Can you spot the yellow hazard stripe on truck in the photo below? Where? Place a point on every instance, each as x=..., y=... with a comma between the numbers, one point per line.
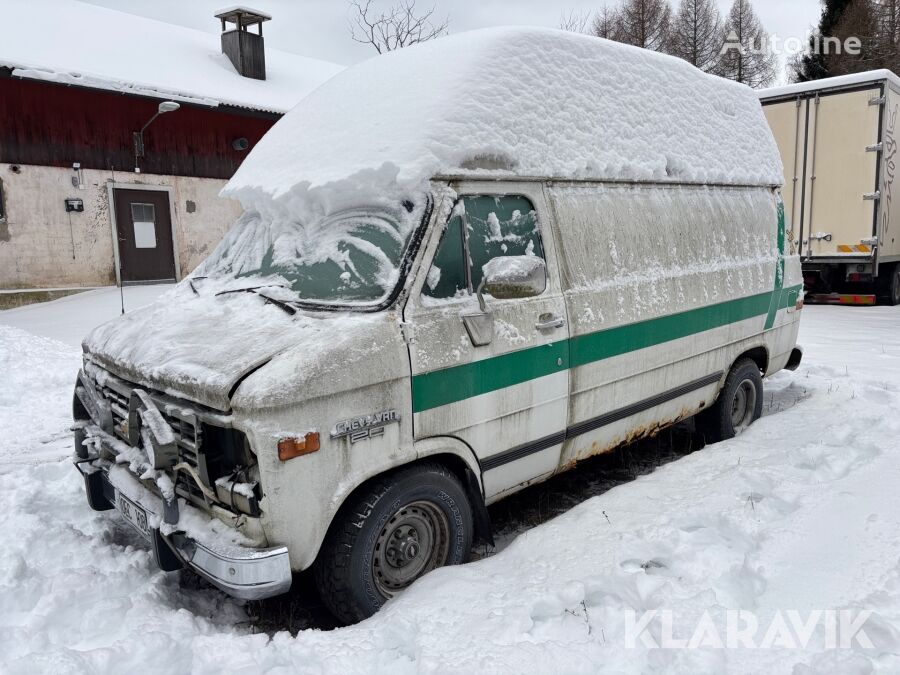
x=840, y=299
x=856, y=248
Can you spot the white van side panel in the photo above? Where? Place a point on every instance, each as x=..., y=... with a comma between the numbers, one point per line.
x=665, y=286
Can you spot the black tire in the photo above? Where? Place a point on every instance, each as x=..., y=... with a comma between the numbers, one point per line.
x=739, y=403
x=892, y=295
x=381, y=537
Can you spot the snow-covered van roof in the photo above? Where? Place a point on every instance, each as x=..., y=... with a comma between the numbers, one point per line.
x=839, y=82
x=82, y=44
x=513, y=101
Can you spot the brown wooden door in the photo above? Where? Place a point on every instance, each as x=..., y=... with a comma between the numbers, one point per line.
x=144, y=225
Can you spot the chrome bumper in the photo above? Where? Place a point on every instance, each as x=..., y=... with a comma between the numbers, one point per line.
x=245, y=573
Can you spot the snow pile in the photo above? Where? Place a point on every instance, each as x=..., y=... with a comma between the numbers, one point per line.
x=511, y=102
x=37, y=378
x=81, y=44
x=799, y=513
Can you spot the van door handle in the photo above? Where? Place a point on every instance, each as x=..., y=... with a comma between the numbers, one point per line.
x=548, y=321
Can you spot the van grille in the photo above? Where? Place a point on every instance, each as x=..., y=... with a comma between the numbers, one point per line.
x=188, y=434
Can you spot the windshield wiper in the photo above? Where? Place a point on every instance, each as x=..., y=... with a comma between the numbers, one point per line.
x=248, y=289
x=287, y=307
x=191, y=284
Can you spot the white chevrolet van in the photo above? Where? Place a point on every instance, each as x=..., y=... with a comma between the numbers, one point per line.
x=449, y=283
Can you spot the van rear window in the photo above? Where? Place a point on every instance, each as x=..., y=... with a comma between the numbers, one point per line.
x=481, y=228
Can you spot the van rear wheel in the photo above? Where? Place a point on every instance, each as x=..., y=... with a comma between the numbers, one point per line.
x=390, y=534
x=739, y=404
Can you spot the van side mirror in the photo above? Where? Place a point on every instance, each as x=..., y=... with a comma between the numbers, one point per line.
x=506, y=277
x=513, y=276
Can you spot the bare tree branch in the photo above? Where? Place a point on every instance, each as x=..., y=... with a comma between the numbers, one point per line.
x=696, y=34
x=574, y=21
x=400, y=26
x=746, y=56
x=606, y=24
x=644, y=23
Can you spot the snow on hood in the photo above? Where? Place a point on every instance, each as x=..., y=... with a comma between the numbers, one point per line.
x=199, y=346
x=515, y=102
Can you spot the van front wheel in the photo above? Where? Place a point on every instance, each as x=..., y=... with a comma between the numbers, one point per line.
x=739, y=404
x=390, y=534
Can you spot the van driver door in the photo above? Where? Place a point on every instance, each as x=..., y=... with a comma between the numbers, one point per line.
x=497, y=379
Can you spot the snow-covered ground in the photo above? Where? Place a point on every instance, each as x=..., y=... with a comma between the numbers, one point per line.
x=800, y=513
x=69, y=319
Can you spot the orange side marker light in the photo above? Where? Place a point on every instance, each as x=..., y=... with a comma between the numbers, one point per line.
x=288, y=448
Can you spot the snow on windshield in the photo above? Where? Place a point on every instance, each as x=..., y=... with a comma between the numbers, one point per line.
x=350, y=257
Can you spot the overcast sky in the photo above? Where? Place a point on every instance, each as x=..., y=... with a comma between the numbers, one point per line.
x=318, y=28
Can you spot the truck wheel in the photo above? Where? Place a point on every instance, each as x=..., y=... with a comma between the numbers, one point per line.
x=739, y=404
x=398, y=529
x=894, y=287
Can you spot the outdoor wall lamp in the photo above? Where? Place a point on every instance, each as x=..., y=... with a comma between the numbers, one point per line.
x=164, y=107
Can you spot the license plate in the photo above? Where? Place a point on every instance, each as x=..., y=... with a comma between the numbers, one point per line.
x=134, y=514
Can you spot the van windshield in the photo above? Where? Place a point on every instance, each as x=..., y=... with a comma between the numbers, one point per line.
x=349, y=258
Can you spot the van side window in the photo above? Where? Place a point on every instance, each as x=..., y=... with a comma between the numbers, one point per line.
x=447, y=276
x=500, y=226
x=488, y=227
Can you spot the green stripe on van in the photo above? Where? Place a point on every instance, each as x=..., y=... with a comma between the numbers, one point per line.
x=778, y=296
x=615, y=341
x=457, y=383
x=440, y=387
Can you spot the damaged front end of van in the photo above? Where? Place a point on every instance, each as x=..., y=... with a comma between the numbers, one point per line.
x=188, y=411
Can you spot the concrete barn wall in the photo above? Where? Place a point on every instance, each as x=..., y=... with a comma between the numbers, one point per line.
x=36, y=239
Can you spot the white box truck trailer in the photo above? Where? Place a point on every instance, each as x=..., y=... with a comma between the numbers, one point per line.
x=838, y=143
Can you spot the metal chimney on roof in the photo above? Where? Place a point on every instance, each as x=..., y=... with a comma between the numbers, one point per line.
x=245, y=49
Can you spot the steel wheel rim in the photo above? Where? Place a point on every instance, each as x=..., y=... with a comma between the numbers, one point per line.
x=413, y=541
x=743, y=406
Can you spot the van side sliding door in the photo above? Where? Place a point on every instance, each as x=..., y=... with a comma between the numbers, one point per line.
x=497, y=380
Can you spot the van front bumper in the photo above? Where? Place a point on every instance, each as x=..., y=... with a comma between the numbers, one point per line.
x=245, y=573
